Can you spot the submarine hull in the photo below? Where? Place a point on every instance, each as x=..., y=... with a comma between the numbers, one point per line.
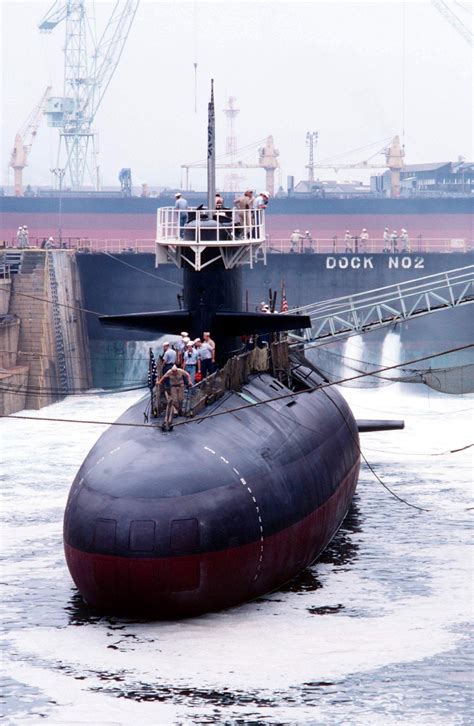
x=217, y=512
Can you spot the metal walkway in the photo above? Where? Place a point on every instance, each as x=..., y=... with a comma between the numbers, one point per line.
x=352, y=314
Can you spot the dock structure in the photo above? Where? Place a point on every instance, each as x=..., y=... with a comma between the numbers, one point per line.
x=44, y=351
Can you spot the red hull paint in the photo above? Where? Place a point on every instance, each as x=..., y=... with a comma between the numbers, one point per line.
x=178, y=586
x=279, y=226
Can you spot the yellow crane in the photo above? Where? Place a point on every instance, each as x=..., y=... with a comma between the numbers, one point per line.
x=394, y=154
x=24, y=141
x=267, y=160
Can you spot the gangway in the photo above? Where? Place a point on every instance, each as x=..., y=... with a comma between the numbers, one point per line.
x=352, y=314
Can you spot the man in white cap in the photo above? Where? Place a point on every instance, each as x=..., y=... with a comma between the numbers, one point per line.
x=168, y=357
x=386, y=240
x=364, y=239
x=394, y=241
x=181, y=204
x=191, y=361
x=207, y=351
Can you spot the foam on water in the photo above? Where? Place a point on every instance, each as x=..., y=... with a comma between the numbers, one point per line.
x=375, y=632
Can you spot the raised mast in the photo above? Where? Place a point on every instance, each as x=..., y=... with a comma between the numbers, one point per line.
x=211, y=151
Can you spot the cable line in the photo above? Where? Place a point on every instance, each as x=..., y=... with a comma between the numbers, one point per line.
x=214, y=414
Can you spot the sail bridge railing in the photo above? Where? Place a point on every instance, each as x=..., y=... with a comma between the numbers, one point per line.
x=199, y=237
x=384, y=306
x=229, y=225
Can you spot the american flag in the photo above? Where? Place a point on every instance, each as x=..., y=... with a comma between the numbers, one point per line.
x=284, y=303
x=152, y=371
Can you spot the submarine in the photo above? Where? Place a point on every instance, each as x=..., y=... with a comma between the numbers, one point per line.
x=181, y=516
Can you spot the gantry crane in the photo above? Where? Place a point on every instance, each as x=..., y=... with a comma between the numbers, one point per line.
x=24, y=141
x=87, y=74
x=267, y=159
x=394, y=155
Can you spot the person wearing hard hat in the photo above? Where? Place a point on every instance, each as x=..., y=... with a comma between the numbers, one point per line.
x=295, y=240
x=364, y=239
x=386, y=240
x=348, y=241
x=181, y=205
x=405, y=240
x=49, y=244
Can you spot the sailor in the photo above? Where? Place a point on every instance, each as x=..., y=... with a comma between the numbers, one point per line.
x=26, y=236
x=181, y=204
x=174, y=380
x=206, y=351
x=405, y=240
x=348, y=241
x=364, y=238
x=261, y=201
x=207, y=340
x=49, y=244
x=191, y=361
x=169, y=357
x=386, y=240
x=181, y=345
x=245, y=204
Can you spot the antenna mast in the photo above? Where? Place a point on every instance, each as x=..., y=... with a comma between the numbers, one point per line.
x=211, y=151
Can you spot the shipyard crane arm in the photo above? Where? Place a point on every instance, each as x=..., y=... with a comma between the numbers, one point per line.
x=24, y=141
x=353, y=314
x=109, y=50
x=454, y=20
x=56, y=13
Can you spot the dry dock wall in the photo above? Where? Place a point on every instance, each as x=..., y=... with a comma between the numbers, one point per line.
x=43, y=333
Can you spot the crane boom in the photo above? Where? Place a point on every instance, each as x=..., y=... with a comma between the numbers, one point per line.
x=454, y=20
x=88, y=70
x=24, y=141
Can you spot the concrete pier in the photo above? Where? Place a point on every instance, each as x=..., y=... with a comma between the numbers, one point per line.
x=42, y=331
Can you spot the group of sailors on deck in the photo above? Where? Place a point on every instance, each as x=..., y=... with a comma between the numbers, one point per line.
x=185, y=364
x=245, y=205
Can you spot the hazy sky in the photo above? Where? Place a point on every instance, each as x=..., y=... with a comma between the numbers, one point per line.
x=339, y=68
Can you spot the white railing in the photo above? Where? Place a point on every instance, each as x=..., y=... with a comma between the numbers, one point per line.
x=337, y=245
x=368, y=310
x=192, y=226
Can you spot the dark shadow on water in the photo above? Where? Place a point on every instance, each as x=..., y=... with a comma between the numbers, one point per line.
x=342, y=551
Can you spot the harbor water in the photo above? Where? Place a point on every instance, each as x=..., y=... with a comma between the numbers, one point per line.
x=376, y=632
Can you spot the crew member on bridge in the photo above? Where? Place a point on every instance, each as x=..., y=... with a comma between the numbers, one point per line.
x=181, y=204
x=244, y=204
x=386, y=240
